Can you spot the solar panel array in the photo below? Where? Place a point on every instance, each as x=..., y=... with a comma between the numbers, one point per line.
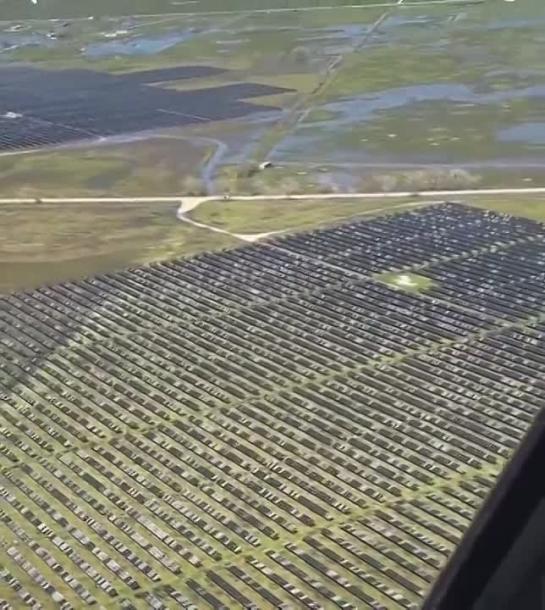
x=271, y=426
x=47, y=107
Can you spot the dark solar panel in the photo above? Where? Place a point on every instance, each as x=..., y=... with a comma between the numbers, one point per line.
x=40, y=107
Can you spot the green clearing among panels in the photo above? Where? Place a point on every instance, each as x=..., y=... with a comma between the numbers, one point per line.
x=410, y=282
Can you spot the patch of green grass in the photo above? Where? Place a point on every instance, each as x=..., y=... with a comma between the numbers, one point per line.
x=334, y=18
x=153, y=167
x=527, y=206
x=410, y=282
x=256, y=51
x=249, y=180
x=295, y=84
x=57, y=173
x=287, y=214
x=320, y=115
x=365, y=71
x=46, y=243
x=463, y=49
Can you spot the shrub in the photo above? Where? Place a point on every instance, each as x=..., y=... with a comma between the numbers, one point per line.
x=432, y=179
x=193, y=186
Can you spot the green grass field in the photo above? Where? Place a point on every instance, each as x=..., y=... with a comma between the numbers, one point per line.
x=292, y=215
x=528, y=206
x=45, y=243
x=286, y=215
x=162, y=166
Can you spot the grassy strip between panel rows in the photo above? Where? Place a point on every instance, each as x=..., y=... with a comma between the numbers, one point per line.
x=336, y=523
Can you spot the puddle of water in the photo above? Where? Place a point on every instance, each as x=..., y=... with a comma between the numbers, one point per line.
x=364, y=108
x=399, y=20
x=137, y=46
x=352, y=32
x=531, y=133
x=515, y=23
x=9, y=41
x=396, y=125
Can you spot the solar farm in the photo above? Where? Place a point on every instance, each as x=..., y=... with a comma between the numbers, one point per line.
x=249, y=358
x=280, y=425
x=70, y=105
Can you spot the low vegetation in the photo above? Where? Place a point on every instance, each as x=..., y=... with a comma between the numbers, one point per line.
x=296, y=179
x=526, y=205
x=429, y=179
x=288, y=214
x=43, y=243
x=152, y=167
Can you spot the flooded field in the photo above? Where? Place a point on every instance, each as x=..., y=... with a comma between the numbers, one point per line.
x=466, y=88
x=375, y=96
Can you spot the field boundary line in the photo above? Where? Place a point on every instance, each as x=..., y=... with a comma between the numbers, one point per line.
x=280, y=197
